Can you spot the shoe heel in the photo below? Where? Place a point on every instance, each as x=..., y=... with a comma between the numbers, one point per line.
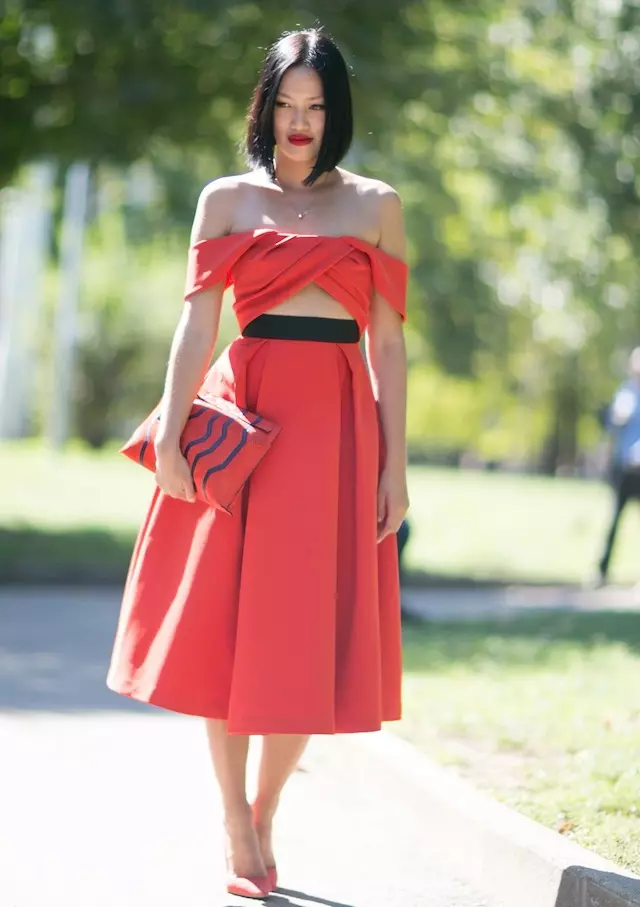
x=249, y=888
x=272, y=877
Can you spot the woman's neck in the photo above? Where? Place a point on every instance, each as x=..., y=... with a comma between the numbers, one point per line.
x=291, y=175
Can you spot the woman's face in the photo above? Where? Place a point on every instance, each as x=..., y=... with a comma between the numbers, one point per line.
x=299, y=114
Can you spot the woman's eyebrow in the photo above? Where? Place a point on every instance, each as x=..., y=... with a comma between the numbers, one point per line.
x=316, y=97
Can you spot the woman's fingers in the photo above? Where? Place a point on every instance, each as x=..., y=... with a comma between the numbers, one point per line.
x=173, y=477
x=382, y=505
x=382, y=512
x=391, y=522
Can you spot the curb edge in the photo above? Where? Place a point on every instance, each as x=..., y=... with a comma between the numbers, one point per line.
x=514, y=860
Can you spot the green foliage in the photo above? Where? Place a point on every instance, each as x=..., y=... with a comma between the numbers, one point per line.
x=133, y=278
x=103, y=81
x=527, y=261
x=466, y=416
x=510, y=129
x=119, y=372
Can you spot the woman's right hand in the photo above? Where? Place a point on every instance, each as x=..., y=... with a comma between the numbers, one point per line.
x=173, y=475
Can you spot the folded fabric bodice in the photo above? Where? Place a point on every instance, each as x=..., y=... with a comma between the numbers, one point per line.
x=267, y=267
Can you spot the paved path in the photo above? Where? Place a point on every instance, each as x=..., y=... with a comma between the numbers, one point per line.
x=105, y=803
x=468, y=603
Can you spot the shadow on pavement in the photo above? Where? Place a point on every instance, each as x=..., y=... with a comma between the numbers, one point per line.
x=281, y=898
x=55, y=649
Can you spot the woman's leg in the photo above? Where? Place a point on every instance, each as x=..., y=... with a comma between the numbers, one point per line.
x=229, y=756
x=279, y=758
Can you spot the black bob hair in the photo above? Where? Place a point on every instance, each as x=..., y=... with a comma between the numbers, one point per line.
x=316, y=50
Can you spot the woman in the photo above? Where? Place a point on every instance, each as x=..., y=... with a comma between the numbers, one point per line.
x=283, y=619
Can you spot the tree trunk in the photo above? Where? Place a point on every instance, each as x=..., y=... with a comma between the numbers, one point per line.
x=560, y=450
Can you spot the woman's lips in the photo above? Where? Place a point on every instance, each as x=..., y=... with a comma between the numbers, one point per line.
x=300, y=139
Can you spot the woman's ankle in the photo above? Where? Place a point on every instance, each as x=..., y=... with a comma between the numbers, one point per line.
x=263, y=827
x=264, y=811
x=237, y=815
x=244, y=852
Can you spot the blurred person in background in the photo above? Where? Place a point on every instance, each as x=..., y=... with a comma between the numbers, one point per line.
x=622, y=420
x=282, y=619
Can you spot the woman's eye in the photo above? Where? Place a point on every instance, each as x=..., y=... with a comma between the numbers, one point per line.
x=313, y=106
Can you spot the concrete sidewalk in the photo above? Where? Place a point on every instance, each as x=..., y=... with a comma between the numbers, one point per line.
x=105, y=803
x=117, y=810
x=469, y=603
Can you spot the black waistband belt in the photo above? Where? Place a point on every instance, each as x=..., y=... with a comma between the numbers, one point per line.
x=303, y=327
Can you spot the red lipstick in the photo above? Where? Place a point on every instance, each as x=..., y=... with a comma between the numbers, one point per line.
x=300, y=140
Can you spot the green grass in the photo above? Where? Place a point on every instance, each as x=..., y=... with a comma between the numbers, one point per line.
x=81, y=508
x=75, y=489
x=508, y=527
x=541, y=711
x=69, y=515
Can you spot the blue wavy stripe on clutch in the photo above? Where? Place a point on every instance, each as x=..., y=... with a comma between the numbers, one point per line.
x=223, y=437
x=225, y=463
x=205, y=436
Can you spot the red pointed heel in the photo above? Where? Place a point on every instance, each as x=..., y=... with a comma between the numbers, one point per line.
x=272, y=877
x=249, y=888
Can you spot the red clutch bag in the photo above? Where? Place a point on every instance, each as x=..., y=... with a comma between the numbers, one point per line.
x=222, y=444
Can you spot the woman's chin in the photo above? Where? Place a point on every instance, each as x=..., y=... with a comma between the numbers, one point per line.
x=303, y=155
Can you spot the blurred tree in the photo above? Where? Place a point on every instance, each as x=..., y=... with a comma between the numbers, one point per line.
x=100, y=80
x=510, y=128
x=529, y=125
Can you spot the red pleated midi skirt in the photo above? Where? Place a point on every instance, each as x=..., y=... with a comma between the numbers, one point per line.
x=283, y=617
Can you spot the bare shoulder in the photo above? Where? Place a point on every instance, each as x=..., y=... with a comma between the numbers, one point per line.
x=217, y=204
x=382, y=205
x=366, y=185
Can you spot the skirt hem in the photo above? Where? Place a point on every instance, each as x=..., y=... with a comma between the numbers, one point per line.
x=259, y=729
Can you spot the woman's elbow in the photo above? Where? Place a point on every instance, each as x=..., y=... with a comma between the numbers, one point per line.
x=388, y=344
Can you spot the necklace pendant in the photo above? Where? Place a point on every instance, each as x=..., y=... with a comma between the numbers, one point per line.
x=300, y=216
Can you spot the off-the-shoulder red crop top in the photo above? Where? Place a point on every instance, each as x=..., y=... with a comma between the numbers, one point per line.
x=267, y=267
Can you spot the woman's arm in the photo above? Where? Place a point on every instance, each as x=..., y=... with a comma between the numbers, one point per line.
x=192, y=347
x=388, y=366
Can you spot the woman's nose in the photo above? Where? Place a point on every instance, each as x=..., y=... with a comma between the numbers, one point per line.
x=299, y=118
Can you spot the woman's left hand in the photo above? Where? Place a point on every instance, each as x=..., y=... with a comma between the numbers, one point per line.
x=393, y=502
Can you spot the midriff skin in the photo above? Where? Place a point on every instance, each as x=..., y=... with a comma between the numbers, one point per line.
x=313, y=302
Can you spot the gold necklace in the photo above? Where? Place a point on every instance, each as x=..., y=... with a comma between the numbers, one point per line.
x=299, y=214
